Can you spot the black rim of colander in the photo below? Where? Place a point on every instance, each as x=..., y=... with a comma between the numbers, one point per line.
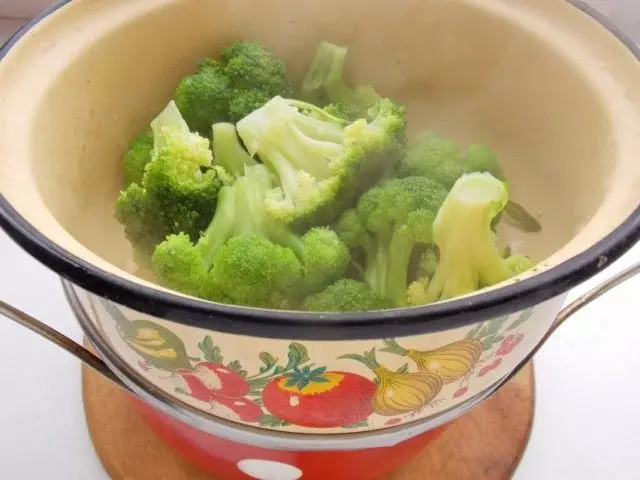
x=313, y=326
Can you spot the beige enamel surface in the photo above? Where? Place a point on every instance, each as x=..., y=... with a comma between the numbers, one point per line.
x=554, y=93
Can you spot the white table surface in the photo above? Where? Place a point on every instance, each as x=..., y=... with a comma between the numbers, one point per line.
x=587, y=420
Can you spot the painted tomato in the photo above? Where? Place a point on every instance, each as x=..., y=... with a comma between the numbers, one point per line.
x=208, y=378
x=319, y=399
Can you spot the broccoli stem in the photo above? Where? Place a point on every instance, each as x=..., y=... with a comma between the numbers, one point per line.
x=227, y=150
x=220, y=227
x=400, y=249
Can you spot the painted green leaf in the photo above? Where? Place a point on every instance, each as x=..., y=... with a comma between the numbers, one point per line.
x=271, y=421
x=403, y=369
x=210, y=351
x=362, y=424
x=268, y=360
x=297, y=355
x=523, y=317
x=237, y=367
x=473, y=332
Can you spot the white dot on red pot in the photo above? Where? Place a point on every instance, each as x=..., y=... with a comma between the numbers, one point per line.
x=268, y=470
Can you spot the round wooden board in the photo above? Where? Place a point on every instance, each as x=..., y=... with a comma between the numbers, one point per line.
x=486, y=443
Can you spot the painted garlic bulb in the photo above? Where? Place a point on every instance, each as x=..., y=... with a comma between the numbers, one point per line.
x=399, y=393
x=451, y=362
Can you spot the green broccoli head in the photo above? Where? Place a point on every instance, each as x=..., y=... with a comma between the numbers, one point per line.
x=389, y=222
x=322, y=162
x=325, y=258
x=439, y=159
x=246, y=77
x=324, y=83
x=179, y=188
x=203, y=97
x=137, y=157
x=319, y=256
x=469, y=255
x=251, y=270
x=345, y=295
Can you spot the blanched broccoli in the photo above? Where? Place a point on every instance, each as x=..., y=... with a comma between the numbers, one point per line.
x=345, y=295
x=469, y=255
x=137, y=157
x=322, y=162
x=244, y=79
x=389, y=221
x=324, y=84
x=439, y=159
x=178, y=190
x=231, y=261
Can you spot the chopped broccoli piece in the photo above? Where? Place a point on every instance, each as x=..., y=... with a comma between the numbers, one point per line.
x=251, y=270
x=469, y=255
x=179, y=188
x=344, y=111
x=137, y=157
x=322, y=162
x=345, y=295
x=389, y=221
x=324, y=84
x=244, y=79
x=438, y=158
x=206, y=269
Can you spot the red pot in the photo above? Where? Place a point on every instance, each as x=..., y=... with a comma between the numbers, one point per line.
x=229, y=460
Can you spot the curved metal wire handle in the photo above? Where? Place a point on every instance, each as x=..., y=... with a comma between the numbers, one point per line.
x=101, y=367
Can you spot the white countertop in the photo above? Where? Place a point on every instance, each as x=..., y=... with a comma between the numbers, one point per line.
x=586, y=419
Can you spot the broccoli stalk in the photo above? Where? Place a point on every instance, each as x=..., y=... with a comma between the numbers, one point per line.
x=178, y=190
x=469, y=255
x=324, y=84
x=389, y=222
x=227, y=150
x=438, y=158
x=247, y=258
x=322, y=162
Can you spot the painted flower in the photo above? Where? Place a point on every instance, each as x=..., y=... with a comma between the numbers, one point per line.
x=461, y=392
x=509, y=343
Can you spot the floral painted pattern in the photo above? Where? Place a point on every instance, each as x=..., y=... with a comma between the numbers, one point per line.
x=291, y=390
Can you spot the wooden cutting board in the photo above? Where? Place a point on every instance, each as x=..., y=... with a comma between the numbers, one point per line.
x=486, y=443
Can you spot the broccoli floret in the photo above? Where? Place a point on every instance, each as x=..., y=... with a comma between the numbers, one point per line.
x=428, y=262
x=345, y=295
x=389, y=221
x=344, y=111
x=244, y=79
x=324, y=84
x=179, y=188
x=469, y=255
x=212, y=268
x=322, y=162
x=137, y=157
x=251, y=270
x=439, y=159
